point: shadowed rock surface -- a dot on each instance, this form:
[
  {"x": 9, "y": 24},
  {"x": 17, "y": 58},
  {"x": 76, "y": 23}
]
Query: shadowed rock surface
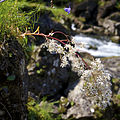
[{"x": 13, "y": 81}]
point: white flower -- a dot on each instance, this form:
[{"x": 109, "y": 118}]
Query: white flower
[
  {"x": 92, "y": 110},
  {"x": 64, "y": 61}
]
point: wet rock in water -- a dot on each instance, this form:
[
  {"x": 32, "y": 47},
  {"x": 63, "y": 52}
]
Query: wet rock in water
[
  {"x": 88, "y": 31},
  {"x": 93, "y": 47},
  {"x": 13, "y": 81},
  {"x": 115, "y": 39}
]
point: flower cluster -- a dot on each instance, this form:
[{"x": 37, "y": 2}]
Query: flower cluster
[
  {"x": 68, "y": 53},
  {"x": 97, "y": 85}
]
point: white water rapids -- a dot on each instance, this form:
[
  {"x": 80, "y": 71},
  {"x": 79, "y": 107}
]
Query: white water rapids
[{"x": 104, "y": 48}]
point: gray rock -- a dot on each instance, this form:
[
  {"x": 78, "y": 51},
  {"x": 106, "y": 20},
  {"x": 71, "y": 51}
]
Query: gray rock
[
  {"x": 115, "y": 39},
  {"x": 113, "y": 65},
  {"x": 115, "y": 16},
  {"x": 107, "y": 9},
  {"x": 110, "y": 27},
  {"x": 86, "y": 9},
  {"x": 82, "y": 106},
  {"x": 48, "y": 78}
]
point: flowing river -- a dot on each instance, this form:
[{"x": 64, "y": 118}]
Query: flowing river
[{"x": 103, "y": 46}]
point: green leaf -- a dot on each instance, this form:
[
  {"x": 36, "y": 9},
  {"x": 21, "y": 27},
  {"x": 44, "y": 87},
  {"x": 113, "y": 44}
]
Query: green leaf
[
  {"x": 72, "y": 103},
  {"x": 11, "y": 77},
  {"x": 26, "y": 40},
  {"x": 37, "y": 64},
  {"x": 10, "y": 54},
  {"x": 38, "y": 71}
]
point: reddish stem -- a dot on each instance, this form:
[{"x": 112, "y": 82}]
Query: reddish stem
[
  {"x": 48, "y": 36},
  {"x": 83, "y": 61},
  {"x": 55, "y": 39},
  {"x": 61, "y": 33}
]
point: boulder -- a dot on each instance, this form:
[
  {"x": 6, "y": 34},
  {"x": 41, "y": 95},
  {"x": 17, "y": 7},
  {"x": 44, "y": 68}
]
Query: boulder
[
  {"x": 113, "y": 65},
  {"x": 110, "y": 27},
  {"x": 115, "y": 16},
  {"x": 90, "y": 29},
  {"x": 106, "y": 9},
  {"x": 86, "y": 9},
  {"x": 46, "y": 75},
  {"x": 115, "y": 39},
  {"x": 82, "y": 106},
  {"x": 13, "y": 81},
  {"x": 112, "y": 23}
]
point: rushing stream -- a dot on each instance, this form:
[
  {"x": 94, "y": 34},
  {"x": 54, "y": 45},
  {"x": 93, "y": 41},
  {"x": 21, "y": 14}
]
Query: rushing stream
[{"x": 104, "y": 47}]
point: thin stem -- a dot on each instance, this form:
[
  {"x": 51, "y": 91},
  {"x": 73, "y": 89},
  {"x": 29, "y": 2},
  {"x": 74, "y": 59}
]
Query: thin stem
[
  {"x": 51, "y": 3},
  {"x": 83, "y": 61},
  {"x": 6, "y": 110},
  {"x": 55, "y": 39},
  {"x": 61, "y": 41},
  {"x": 61, "y": 33}
]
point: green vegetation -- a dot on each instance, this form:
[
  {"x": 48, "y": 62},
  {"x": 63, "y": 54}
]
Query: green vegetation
[
  {"x": 82, "y": 19},
  {"x": 10, "y": 19},
  {"x": 118, "y": 5},
  {"x": 41, "y": 111},
  {"x": 101, "y": 3}
]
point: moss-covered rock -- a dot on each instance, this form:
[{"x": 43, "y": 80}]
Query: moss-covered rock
[{"x": 115, "y": 39}]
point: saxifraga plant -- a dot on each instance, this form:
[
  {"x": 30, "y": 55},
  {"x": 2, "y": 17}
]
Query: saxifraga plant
[{"x": 96, "y": 85}]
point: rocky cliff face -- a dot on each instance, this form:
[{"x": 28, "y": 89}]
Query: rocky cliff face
[{"x": 13, "y": 81}]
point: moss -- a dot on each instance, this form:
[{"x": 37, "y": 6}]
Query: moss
[
  {"x": 116, "y": 99},
  {"x": 118, "y": 96},
  {"x": 115, "y": 39},
  {"x": 40, "y": 71},
  {"x": 115, "y": 80},
  {"x": 98, "y": 114},
  {"x": 40, "y": 110},
  {"x": 118, "y": 5},
  {"x": 82, "y": 19},
  {"x": 58, "y": 13},
  {"x": 105, "y": 58},
  {"x": 101, "y": 3}
]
